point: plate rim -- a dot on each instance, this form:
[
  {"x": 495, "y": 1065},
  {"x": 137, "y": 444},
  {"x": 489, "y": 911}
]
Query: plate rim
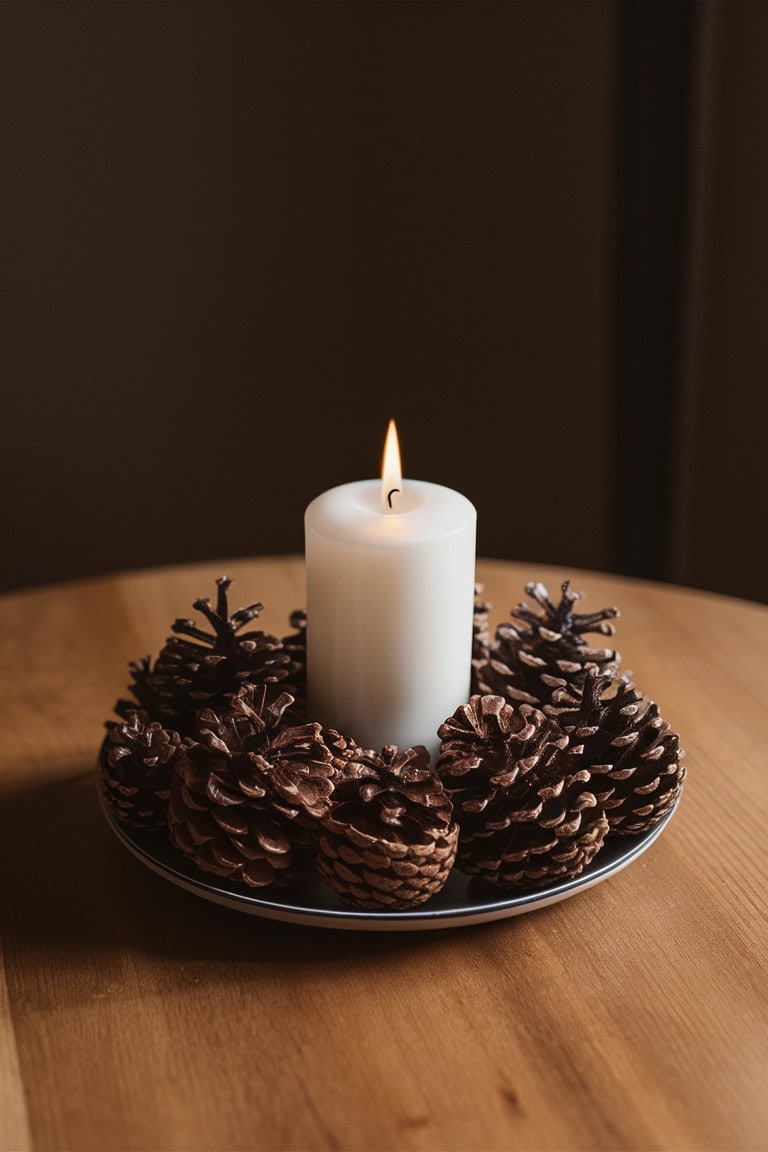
[{"x": 417, "y": 919}]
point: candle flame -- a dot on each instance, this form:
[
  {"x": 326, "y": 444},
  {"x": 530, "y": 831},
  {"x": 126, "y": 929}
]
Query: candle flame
[{"x": 391, "y": 469}]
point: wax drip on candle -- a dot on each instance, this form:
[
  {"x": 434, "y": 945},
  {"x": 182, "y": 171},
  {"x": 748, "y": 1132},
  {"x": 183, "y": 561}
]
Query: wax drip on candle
[{"x": 391, "y": 470}]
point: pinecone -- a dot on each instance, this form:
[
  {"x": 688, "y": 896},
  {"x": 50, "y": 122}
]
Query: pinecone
[
  {"x": 136, "y": 765},
  {"x": 250, "y": 791},
  {"x": 388, "y": 843},
  {"x": 527, "y": 817},
  {"x": 545, "y": 650},
  {"x": 633, "y": 757},
  {"x": 198, "y": 669},
  {"x": 481, "y": 640}
]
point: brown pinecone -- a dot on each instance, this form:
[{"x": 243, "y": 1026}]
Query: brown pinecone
[
  {"x": 250, "y": 791},
  {"x": 527, "y": 817},
  {"x": 542, "y": 651},
  {"x": 198, "y": 669},
  {"x": 388, "y": 843},
  {"x": 481, "y": 639},
  {"x": 633, "y": 757},
  {"x": 136, "y": 765}
]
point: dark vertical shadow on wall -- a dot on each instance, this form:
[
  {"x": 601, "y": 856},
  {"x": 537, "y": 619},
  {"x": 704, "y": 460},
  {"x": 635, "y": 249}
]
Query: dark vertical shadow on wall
[{"x": 655, "y": 49}]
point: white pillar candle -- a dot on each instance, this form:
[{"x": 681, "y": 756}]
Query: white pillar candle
[{"x": 390, "y": 581}]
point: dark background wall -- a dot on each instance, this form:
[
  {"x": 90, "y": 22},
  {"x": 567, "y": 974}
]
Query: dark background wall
[{"x": 239, "y": 237}]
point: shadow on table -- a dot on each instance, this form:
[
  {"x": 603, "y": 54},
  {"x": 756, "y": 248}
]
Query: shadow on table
[{"x": 69, "y": 887}]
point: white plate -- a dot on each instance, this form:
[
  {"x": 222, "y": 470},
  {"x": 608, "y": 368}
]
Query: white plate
[{"x": 463, "y": 900}]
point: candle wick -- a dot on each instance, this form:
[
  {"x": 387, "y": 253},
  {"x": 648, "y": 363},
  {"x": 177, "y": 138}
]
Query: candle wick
[{"x": 390, "y": 494}]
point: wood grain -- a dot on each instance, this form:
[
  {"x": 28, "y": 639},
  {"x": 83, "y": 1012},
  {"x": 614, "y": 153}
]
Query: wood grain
[{"x": 134, "y": 1016}]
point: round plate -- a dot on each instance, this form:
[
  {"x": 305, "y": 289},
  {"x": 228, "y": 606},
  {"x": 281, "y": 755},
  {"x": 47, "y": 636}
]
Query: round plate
[{"x": 462, "y": 901}]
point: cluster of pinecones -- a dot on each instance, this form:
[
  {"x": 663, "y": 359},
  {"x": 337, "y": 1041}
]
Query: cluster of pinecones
[{"x": 553, "y": 752}]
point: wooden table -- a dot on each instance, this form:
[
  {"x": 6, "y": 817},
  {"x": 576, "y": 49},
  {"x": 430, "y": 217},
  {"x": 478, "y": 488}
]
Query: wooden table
[{"x": 135, "y": 1016}]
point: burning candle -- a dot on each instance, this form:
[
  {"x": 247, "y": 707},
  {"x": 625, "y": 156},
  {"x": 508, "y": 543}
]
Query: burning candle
[{"x": 390, "y": 579}]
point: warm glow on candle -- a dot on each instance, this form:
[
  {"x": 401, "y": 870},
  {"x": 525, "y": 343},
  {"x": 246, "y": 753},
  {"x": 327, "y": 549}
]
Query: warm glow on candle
[
  {"x": 391, "y": 470},
  {"x": 390, "y": 576}
]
